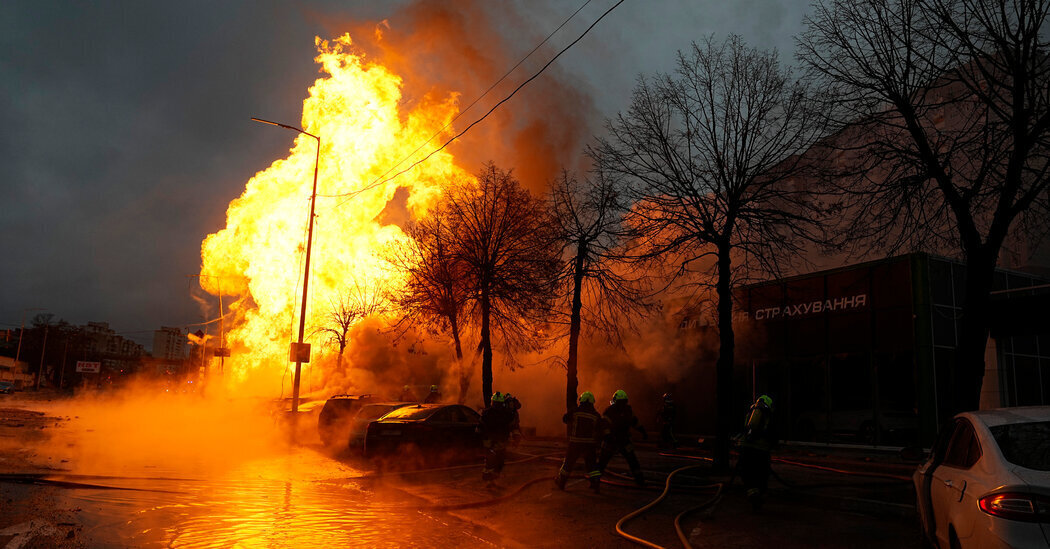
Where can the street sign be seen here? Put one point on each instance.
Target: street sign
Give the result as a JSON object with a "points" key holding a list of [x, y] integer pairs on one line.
{"points": [[300, 352], [88, 367], [222, 351]]}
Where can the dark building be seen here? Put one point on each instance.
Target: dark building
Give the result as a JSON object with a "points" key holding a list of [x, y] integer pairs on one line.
{"points": [[864, 354]]}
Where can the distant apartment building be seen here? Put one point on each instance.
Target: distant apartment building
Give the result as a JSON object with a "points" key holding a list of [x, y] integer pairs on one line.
{"points": [[169, 343]]}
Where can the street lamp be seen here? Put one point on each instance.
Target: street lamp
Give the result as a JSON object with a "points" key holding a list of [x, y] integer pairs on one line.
{"points": [[300, 352], [22, 330]]}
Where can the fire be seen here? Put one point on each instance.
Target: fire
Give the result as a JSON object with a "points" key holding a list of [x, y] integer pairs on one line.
{"points": [[365, 128]]}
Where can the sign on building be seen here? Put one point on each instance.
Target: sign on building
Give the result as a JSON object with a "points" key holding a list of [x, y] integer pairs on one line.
{"points": [[88, 367]]}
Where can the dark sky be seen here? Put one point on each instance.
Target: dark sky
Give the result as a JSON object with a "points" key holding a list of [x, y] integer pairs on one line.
{"points": [[126, 127]]}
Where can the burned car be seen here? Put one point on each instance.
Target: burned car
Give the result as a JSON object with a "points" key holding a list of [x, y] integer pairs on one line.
{"points": [[336, 419], [438, 431]]}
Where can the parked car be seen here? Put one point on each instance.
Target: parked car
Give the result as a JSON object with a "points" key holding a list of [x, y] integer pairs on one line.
{"points": [[987, 481], [367, 414], [336, 418], [6, 387], [438, 431]]}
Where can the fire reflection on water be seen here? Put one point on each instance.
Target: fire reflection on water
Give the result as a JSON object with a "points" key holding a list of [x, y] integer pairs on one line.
{"points": [[301, 499], [197, 472]]}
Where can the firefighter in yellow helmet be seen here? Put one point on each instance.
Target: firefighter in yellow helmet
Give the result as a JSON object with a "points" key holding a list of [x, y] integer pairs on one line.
{"points": [[586, 429], [621, 419], [497, 421], [755, 446], [433, 396]]}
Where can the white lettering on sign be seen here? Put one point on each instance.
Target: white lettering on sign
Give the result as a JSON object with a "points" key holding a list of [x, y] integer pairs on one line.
{"points": [[794, 310], [88, 367]]}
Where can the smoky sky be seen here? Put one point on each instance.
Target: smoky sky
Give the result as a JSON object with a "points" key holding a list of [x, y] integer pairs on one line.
{"points": [[126, 131]]}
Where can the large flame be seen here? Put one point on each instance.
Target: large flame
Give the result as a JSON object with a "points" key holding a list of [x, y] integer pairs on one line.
{"points": [[365, 129]]}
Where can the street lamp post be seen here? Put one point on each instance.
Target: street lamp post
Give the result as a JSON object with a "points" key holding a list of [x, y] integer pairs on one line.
{"points": [[299, 350], [21, 331]]}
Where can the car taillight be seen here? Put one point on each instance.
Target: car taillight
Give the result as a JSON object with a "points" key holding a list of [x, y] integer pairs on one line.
{"points": [[1017, 506]]}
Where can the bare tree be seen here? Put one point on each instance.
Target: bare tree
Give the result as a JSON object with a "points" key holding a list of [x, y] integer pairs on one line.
{"points": [[350, 307], [435, 291], [503, 241], [711, 152], [945, 110], [588, 217]]}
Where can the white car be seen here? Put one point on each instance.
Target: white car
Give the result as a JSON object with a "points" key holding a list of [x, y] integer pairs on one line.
{"points": [[987, 481]]}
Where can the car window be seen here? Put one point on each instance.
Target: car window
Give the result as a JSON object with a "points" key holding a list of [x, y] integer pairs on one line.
{"points": [[460, 415], [963, 449], [374, 411], [443, 415], [1025, 444]]}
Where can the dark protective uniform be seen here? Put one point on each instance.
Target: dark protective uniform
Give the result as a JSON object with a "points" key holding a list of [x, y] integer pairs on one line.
{"points": [[497, 421], [755, 448], [432, 397], [621, 420], [665, 420], [586, 428]]}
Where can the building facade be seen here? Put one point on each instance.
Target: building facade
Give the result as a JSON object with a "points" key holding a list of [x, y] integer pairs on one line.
{"points": [[865, 354]]}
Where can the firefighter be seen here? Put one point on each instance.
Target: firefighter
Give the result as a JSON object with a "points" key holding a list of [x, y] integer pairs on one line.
{"points": [[585, 429], [621, 420], [433, 396], [755, 446], [513, 404], [497, 421], [406, 394], [665, 420]]}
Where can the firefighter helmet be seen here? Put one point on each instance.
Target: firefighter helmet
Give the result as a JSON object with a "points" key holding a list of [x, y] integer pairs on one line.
{"points": [[667, 397], [620, 394], [586, 396], [433, 388], [498, 397], [764, 400]]}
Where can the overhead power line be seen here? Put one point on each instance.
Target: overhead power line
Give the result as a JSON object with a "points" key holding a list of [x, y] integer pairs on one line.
{"points": [[380, 180], [476, 99]]}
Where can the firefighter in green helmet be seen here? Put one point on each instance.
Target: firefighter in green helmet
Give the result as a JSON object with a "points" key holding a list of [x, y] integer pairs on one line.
{"points": [[497, 421], [585, 428], [756, 444], [621, 419]]}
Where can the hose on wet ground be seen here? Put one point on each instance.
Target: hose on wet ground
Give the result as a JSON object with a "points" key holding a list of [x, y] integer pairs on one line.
{"points": [[46, 480], [678, 530]]}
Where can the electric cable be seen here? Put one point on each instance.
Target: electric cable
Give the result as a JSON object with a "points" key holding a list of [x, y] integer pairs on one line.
{"points": [[375, 184], [478, 98]]}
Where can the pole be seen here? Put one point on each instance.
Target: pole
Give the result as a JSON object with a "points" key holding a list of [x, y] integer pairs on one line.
{"points": [[43, 352], [306, 272], [21, 331], [62, 372], [306, 281], [222, 334]]}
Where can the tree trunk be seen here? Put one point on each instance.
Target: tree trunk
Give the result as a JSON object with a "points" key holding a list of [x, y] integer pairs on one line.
{"points": [[726, 351], [973, 331], [486, 347], [571, 364], [464, 373]]}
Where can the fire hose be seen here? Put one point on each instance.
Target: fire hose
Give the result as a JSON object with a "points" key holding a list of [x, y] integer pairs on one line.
{"points": [[678, 518]]}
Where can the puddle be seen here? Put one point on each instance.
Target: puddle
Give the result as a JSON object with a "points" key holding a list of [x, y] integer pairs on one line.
{"points": [[299, 500]]}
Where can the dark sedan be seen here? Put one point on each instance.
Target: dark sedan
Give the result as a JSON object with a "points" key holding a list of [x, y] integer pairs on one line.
{"points": [[437, 431]]}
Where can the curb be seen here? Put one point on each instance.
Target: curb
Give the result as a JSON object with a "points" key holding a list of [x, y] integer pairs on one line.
{"points": [[858, 505]]}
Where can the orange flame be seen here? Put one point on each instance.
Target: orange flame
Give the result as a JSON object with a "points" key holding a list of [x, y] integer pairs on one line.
{"points": [[365, 129]]}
